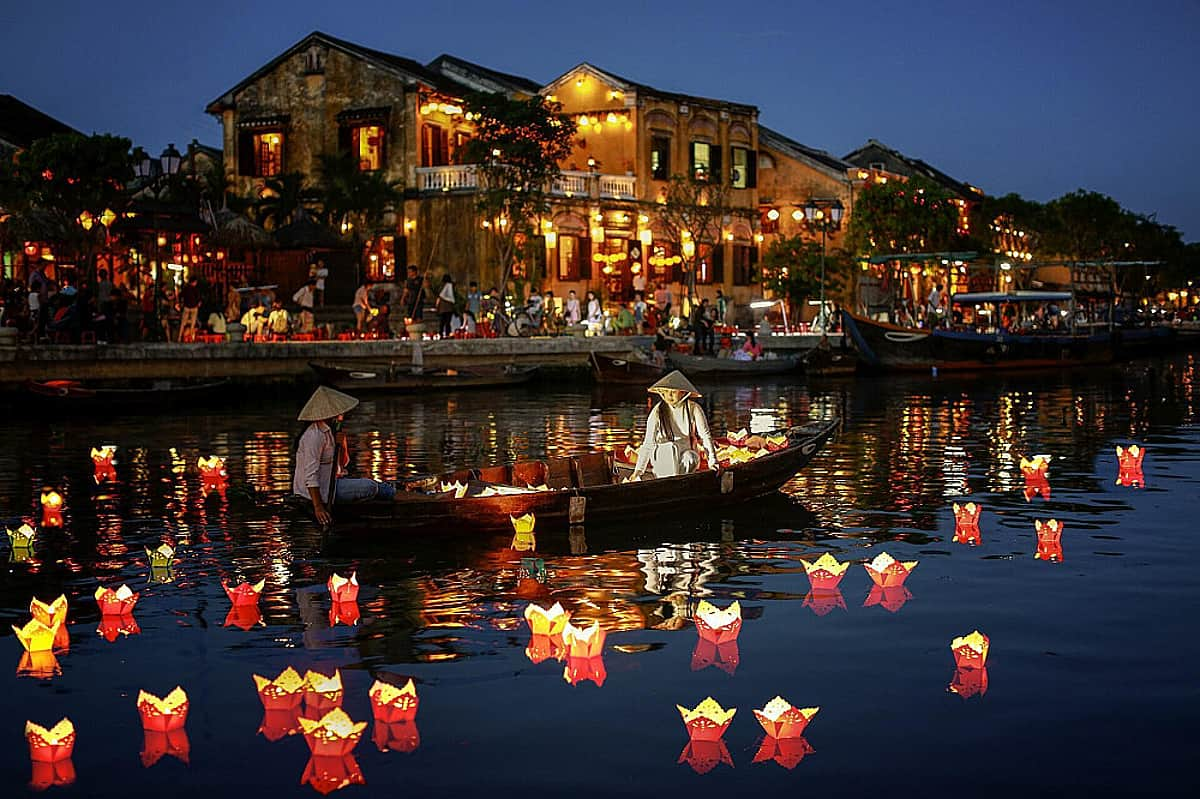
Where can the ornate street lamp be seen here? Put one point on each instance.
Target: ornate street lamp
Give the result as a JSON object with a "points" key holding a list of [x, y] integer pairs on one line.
{"points": [[826, 214]]}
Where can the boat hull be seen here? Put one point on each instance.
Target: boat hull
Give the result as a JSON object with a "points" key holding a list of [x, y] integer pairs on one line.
{"points": [[613, 502], [889, 347], [611, 369], [707, 366], [389, 378], [135, 395]]}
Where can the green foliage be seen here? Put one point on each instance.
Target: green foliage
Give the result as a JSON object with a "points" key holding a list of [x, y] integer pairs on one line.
{"points": [[791, 268], [282, 196], [349, 195], [68, 174], [916, 215], [517, 147], [997, 222], [693, 210], [1087, 225]]}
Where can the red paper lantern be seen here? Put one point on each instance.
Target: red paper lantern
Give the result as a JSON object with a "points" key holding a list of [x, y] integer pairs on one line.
{"points": [[165, 714], [887, 572], [343, 589], [1049, 540], [244, 593], [970, 651], [580, 669], [322, 693], [717, 625], [118, 602], [1129, 466], [50, 745], [285, 692], [392, 704], [334, 734], [780, 719], [707, 721], [825, 572], [966, 523]]}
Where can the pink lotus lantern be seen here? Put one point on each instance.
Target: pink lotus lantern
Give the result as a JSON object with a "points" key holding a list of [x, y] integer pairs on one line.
{"points": [[116, 602], [825, 572], [707, 721], [717, 625], [779, 719], [970, 651], [887, 572]]}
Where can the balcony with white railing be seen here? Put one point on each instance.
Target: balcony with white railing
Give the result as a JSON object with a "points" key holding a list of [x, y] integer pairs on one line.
{"points": [[447, 178], [571, 184]]}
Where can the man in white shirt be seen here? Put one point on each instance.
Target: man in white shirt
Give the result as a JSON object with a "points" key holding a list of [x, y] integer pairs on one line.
{"points": [[305, 297]]}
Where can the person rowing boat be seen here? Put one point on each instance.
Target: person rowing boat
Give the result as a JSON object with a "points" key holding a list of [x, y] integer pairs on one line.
{"points": [[675, 430], [322, 444]]}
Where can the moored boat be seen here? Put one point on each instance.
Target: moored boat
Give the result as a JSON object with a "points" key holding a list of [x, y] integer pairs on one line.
{"points": [[709, 366], [624, 370], [131, 394], [886, 346], [584, 489], [391, 377]]}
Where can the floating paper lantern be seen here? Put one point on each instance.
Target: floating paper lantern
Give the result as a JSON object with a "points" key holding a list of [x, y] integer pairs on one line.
{"points": [[279, 723], [329, 774], [825, 572], [458, 489], [52, 508], [787, 752], [102, 463], [966, 523], [213, 476], [116, 603], [50, 775], [36, 636], [52, 614], [887, 572], [343, 589], [1049, 540], [707, 721], [244, 617], [724, 656], [161, 575], [970, 651], [161, 557], [244, 593], [717, 625], [1036, 486], [322, 692], [334, 734], [50, 745], [346, 613], [22, 537], [822, 601], [578, 669], [41, 665], [1036, 466], [165, 714], [890, 599], [285, 692], [397, 736], [157, 744], [779, 719], [524, 539], [1129, 466], [546, 622], [112, 626], [703, 756], [969, 682], [544, 647], [392, 704], [583, 642]]}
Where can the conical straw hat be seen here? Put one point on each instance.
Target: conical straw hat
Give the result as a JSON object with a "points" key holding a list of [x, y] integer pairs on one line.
{"points": [[676, 381], [326, 403]]}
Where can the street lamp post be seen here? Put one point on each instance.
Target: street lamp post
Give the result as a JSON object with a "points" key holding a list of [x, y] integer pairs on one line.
{"points": [[154, 174], [826, 214]]}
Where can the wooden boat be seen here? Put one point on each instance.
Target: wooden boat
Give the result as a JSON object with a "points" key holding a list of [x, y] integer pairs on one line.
{"points": [[394, 377], [627, 370], [131, 393], [886, 346], [585, 489], [708, 366]]}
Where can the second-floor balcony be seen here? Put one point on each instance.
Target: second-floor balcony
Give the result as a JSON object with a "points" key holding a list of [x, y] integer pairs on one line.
{"points": [[587, 185]]}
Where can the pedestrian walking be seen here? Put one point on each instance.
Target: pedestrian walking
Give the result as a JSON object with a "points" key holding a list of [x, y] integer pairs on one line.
{"points": [[361, 305], [190, 299], [445, 306]]}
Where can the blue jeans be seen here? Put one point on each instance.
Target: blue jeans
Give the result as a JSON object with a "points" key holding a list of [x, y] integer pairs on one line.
{"points": [[362, 489]]}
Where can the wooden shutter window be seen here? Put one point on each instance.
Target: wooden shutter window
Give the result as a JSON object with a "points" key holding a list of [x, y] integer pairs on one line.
{"points": [[714, 163], [751, 169], [717, 259], [245, 153]]}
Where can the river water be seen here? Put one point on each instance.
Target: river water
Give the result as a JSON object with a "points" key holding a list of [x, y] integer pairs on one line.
{"points": [[1090, 683]]}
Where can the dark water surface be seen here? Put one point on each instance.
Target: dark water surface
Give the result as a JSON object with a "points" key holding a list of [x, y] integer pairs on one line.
{"points": [[1092, 678]]}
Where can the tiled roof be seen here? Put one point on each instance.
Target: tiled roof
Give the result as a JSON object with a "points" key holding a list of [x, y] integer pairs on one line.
{"points": [[22, 124], [467, 73], [777, 141], [642, 88], [875, 151]]}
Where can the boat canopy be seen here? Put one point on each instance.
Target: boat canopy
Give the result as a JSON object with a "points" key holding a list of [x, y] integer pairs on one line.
{"points": [[1009, 296]]}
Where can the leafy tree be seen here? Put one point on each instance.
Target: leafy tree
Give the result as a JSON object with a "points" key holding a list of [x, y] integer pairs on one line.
{"points": [[691, 214], [282, 198], [518, 145], [1087, 225], [354, 200], [1008, 224], [916, 215], [791, 269]]}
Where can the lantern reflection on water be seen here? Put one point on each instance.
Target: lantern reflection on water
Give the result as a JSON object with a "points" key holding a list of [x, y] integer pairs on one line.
{"points": [[334, 734], [396, 736], [244, 594], [966, 523], [703, 756], [581, 669], [161, 557], [391, 704], [244, 617], [52, 508], [1037, 472], [825, 572], [890, 599], [543, 647], [1049, 540], [116, 603], [112, 626], [822, 601], [41, 665], [327, 774], [887, 572], [707, 721], [724, 656], [281, 698], [970, 651], [156, 744], [717, 625], [22, 537], [969, 682], [1129, 466], [346, 613], [343, 589], [322, 693], [49, 775], [524, 538], [787, 752], [104, 469]]}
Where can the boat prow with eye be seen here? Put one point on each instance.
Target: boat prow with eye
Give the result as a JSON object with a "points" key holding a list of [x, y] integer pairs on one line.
{"points": [[585, 489]]}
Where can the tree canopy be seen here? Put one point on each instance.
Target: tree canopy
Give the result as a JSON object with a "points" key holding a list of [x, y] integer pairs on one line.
{"points": [[916, 215]]}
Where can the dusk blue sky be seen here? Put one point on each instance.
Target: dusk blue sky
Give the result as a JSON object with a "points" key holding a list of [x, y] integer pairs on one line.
{"points": [[1036, 98]]}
